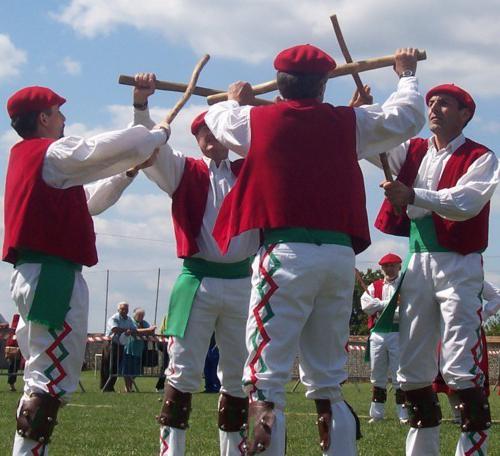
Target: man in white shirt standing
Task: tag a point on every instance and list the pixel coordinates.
(443, 191)
(49, 235)
(213, 290)
(301, 183)
(384, 346)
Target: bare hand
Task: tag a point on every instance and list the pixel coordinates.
(241, 92)
(405, 59)
(398, 193)
(144, 87)
(360, 99)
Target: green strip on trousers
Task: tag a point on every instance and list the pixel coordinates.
(54, 288)
(423, 238)
(187, 284)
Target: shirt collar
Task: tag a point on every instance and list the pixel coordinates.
(452, 146)
(387, 281)
(224, 164)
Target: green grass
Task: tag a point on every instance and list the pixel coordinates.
(116, 424)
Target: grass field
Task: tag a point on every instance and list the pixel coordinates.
(97, 424)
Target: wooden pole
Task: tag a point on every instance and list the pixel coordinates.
(341, 70)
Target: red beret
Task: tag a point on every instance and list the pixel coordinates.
(304, 58)
(32, 99)
(389, 258)
(198, 122)
(456, 92)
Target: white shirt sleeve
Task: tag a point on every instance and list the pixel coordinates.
(103, 193)
(466, 199)
(73, 160)
(491, 294)
(230, 124)
(168, 168)
(371, 305)
(383, 127)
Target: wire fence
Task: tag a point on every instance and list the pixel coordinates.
(152, 360)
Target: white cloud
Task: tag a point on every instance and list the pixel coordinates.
(491, 126)
(71, 66)
(459, 40)
(11, 58)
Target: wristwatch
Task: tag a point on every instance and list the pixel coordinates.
(406, 74)
(141, 106)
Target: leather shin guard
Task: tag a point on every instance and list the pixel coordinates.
(324, 422)
(262, 419)
(379, 394)
(38, 417)
(423, 408)
(400, 396)
(474, 410)
(233, 413)
(176, 408)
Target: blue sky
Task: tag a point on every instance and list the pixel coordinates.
(78, 48)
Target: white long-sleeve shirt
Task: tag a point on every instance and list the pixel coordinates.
(491, 294)
(99, 163)
(461, 202)
(371, 305)
(167, 173)
(378, 127)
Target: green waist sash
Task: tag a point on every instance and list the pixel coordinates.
(307, 236)
(54, 288)
(187, 284)
(423, 238)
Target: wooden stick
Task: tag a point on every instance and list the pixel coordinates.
(386, 167)
(343, 47)
(171, 86)
(180, 87)
(360, 280)
(345, 52)
(341, 70)
(189, 90)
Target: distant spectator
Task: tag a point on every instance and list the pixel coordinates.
(118, 324)
(131, 365)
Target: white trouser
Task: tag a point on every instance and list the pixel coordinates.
(301, 302)
(440, 300)
(384, 358)
(220, 305)
(54, 358)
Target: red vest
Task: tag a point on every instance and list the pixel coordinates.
(462, 237)
(378, 286)
(301, 171)
(189, 202)
(41, 218)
